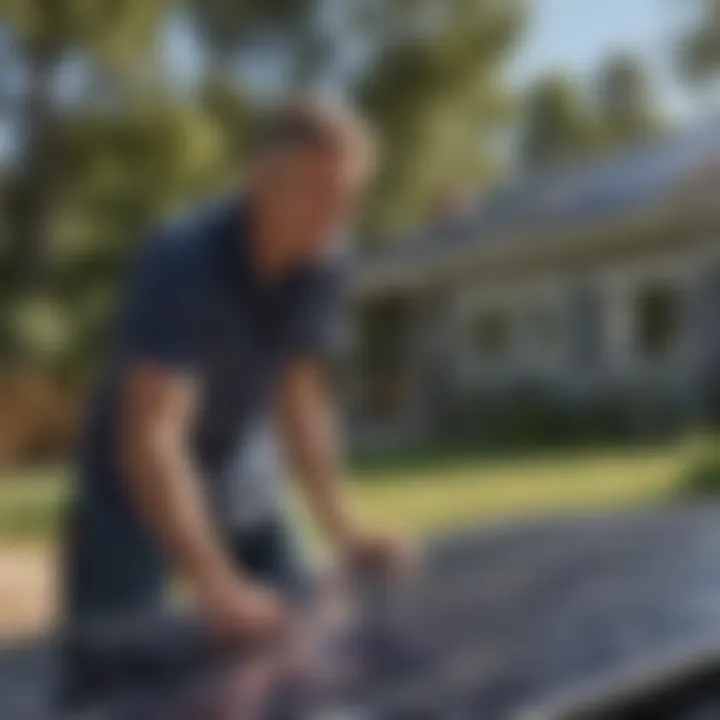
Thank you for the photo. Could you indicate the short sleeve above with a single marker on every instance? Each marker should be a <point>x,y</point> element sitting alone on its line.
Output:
<point>158,324</point>
<point>319,326</point>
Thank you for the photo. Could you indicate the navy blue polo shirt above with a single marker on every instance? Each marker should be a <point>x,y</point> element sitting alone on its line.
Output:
<point>195,305</point>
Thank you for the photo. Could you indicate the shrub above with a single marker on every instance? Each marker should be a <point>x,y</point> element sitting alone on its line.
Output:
<point>702,478</point>
<point>532,415</point>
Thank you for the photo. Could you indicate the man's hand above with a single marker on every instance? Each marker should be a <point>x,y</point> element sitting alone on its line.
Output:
<point>311,433</point>
<point>393,557</point>
<point>239,613</point>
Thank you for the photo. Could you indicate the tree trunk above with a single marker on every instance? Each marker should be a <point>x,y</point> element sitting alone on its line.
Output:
<point>23,256</point>
<point>28,246</point>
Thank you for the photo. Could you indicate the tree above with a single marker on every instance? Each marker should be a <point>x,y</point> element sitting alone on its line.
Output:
<point>699,51</point>
<point>106,47</point>
<point>627,105</point>
<point>59,252</point>
<point>233,112</point>
<point>435,97</point>
<point>288,27</point>
<point>559,125</point>
<point>46,33</point>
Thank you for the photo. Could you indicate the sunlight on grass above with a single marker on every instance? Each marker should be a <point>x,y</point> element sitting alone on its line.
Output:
<point>434,498</point>
<point>31,505</point>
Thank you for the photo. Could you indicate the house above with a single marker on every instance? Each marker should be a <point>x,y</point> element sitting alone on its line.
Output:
<point>592,281</point>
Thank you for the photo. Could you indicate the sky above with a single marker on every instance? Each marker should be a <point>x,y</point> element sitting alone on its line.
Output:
<point>575,36</point>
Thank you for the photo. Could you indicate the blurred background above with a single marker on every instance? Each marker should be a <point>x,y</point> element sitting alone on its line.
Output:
<point>536,294</point>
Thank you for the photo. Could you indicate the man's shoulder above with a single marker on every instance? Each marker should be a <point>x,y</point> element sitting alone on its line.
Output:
<point>201,222</point>
<point>182,244</point>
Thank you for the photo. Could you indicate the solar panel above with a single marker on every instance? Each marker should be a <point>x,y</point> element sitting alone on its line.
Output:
<point>504,619</point>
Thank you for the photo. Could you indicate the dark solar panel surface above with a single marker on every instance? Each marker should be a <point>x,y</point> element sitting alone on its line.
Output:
<point>509,615</point>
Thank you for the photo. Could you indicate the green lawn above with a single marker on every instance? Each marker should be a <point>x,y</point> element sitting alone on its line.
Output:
<point>435,497</point>
<point>536,485</point>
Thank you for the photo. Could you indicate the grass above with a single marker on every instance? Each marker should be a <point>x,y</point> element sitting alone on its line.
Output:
<point>443,497</point>
<point>434,497</point>
<point>31,504</point>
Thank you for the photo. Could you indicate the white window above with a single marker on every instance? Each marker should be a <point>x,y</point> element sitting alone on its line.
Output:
<point>544,332</point>
<point>490,333</point>
<point>648,327</point>
<point>658,321</point>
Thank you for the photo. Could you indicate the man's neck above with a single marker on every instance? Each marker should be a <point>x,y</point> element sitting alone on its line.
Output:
<point>267,253</point>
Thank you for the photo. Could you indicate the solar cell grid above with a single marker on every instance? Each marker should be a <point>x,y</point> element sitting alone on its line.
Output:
<point>502,619</point>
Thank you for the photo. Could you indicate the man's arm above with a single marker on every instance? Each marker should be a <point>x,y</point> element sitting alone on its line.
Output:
<point>156,411</point>
<point>310,428</point>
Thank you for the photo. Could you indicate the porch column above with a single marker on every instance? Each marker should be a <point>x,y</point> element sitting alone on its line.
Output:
<point>587,342</point>
<point>706,312</point>
<point>430,356</point>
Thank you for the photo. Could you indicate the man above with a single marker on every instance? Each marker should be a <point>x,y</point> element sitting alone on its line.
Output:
<point>226,322</point>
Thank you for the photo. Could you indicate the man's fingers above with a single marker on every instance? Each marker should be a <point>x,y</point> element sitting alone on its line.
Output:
<point>248,618</point>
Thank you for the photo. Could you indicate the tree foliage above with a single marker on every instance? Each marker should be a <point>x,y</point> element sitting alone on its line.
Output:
<point>434,97</point>
<point>559,124</point>
<point>228,27</point>
<point>563,122</point>
<point>92,169</point>
<point>699,51</point>
<point>110,38</point>
<point>628,108</point>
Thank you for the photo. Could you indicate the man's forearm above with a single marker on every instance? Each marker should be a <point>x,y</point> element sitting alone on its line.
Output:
<point>165,488</point>
<point>312,437</point>
<point>327,495</point>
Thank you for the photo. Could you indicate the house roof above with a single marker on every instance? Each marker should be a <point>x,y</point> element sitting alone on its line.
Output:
<point>620,186</point>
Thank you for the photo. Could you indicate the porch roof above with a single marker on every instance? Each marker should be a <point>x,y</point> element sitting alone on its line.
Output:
<point>652,183</point>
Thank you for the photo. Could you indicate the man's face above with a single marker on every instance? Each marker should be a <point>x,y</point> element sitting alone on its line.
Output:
<point>310,196</point>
